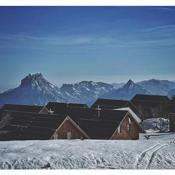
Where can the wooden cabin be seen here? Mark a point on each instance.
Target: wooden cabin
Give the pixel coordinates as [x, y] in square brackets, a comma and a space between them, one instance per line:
[150, 106]
[74, 123]
[28, 126]
[111, 124]
[69, 130]
[134, 115]
[104, 123]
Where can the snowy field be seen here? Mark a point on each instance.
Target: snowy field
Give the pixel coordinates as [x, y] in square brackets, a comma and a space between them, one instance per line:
[156, 151]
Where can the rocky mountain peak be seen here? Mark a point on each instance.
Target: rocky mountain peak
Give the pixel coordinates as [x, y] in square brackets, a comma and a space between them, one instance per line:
[33, 80]
[130, 84]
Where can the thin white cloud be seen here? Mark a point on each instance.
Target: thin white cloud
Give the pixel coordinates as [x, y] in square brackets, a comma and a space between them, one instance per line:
[160, 28]
[161, 36]
[72, 40]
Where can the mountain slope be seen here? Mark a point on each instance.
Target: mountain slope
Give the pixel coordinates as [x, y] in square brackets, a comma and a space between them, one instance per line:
[34, 89]
[126, 92]
[85, 91]
[157, 87]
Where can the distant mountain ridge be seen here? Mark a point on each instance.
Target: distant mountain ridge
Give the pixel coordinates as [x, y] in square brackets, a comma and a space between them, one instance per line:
[84, 91]
[158, 87]
[126, 92]
[34, 89]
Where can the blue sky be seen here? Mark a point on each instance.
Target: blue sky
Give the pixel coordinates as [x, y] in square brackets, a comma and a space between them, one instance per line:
[70, 44]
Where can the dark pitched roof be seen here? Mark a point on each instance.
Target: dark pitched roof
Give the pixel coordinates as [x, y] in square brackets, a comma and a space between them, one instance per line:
[58, 108]
[22, 108]
[28, 126]
[114, 104]
[104, 126]
[75, 113]
[108, 103]
[61, 108]
[77, 105]
[150, 98]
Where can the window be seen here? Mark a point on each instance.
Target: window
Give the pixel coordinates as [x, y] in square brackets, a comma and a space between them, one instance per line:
[129, 125]
[69, 135]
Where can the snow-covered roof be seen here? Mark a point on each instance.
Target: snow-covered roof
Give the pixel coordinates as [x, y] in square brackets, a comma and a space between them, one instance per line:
[131, 112]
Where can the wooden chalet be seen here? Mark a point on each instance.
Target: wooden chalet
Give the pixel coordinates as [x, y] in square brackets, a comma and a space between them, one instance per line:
[134, 115]
[28, 126]
[86, 123]
[69, 129]
[69, 122]
[110, 124]
[150, 106]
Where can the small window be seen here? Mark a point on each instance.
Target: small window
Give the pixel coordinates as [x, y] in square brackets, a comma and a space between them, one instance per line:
[129, 127]
[69, 135]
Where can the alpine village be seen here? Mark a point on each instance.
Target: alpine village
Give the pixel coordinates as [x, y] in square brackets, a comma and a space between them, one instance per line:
[104, 119]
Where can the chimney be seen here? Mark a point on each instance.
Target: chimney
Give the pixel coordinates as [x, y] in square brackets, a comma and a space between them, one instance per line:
[50, 111]
[98, 111]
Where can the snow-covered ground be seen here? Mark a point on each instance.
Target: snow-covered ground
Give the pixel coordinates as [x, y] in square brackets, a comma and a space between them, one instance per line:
[154, 152]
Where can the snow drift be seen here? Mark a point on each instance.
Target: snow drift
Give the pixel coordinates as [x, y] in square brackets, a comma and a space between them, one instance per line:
[156, 153]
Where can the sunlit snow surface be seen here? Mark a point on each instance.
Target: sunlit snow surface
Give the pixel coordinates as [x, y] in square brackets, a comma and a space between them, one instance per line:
[156, 151]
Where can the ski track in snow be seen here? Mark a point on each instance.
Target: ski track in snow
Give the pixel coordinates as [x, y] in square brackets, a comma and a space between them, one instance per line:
[148, 156]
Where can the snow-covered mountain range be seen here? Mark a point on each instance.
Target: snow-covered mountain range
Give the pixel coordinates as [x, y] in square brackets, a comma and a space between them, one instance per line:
[35, 89]
[85, 91]
[126, 92]
[158, 87]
